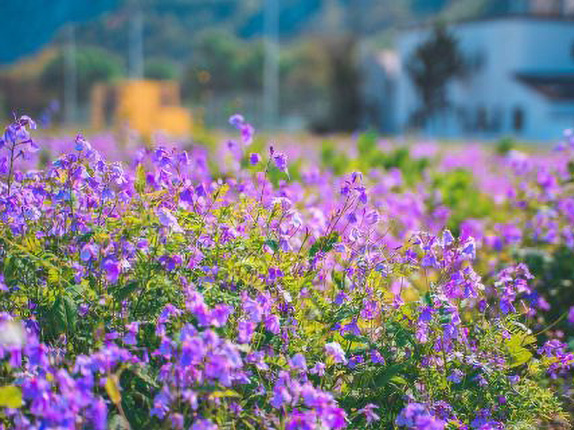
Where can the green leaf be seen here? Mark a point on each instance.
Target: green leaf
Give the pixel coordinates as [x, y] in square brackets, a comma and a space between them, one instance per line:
[366, 143]
[113, 390]
[64, 314]
[140, 181]
[125, 291]
[225, 393]
[9, 267]
[399, 380]
[389, 373]
[273, 244]
[324, 244]
[10, 397]
[355, 338]
[519, 355]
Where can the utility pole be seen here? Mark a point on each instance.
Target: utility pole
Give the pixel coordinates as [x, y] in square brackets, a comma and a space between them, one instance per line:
[333, 20]
[70, 77]
[136, 45]
[271, 66]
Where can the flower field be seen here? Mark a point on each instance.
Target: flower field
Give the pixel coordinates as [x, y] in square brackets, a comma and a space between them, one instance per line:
[250, 285]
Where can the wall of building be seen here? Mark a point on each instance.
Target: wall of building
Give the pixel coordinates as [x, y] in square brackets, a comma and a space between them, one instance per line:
[490, 102]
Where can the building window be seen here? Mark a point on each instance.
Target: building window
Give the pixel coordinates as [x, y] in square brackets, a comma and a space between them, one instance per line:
[482, 119]
[497, 118]
[478, 60]
[518, 119]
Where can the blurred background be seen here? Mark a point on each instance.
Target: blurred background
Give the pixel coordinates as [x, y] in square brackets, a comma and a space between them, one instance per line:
[437, 68]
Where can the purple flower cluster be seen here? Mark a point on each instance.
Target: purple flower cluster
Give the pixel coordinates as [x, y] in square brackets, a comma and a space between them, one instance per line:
[163, 294]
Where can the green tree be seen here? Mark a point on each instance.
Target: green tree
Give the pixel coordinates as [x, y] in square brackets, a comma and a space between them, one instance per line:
[431, 67]
[214, 64]
[221, 63]
[93, 65]
[343, 86]
[160, 69]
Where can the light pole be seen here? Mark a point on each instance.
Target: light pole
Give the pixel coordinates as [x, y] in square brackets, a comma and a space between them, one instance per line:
[136, 45]
[70, 77]
[271, 65]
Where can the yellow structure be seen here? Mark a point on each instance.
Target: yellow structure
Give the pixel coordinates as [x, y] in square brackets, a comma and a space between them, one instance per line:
[145, 106]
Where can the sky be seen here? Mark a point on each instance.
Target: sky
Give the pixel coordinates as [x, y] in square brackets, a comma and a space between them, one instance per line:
[28, 24]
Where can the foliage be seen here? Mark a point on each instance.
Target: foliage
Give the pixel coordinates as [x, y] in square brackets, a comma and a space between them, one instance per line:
[343, 85]
[162, 294]
[432, 66]
[160, 69]
[93, 65]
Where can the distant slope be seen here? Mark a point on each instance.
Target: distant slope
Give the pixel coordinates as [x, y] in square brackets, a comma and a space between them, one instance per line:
[172, 25]
[27, 25]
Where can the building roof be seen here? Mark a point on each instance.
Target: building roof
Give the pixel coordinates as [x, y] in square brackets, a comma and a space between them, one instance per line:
[565, 19]
[555, 85]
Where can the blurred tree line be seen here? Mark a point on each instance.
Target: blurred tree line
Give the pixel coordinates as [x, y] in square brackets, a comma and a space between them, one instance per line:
[215, 50]
[318, 76]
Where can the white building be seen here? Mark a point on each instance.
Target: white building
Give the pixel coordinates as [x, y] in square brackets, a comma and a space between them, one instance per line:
[520, 83]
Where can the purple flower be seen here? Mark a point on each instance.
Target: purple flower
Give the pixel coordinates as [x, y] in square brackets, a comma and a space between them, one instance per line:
[88, 252]
[447, 238]
[245, 331]
[177, 421]
[196, 257]
[99, 414]
[335, 351]
[376, 357]
[280, 161]
[167, 219]
[236, 120]
[112, 269]
[192, 352]
[186, 195]
[416, 416]
[161, 403]
[301, 421]
[246, 129]
[357, 177]
[131, 336]
[247, 133]
[318, 369]
[372, 217]
[220, 314]
[469, 249]
[203, 424]
[355, 360]
[254, 158]
[369, 412]
[83, 309]
[82, 144]
[272, 323]
[351, 217]
[298, 362]
[17, 134]
[456, 376]
[280, 397]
